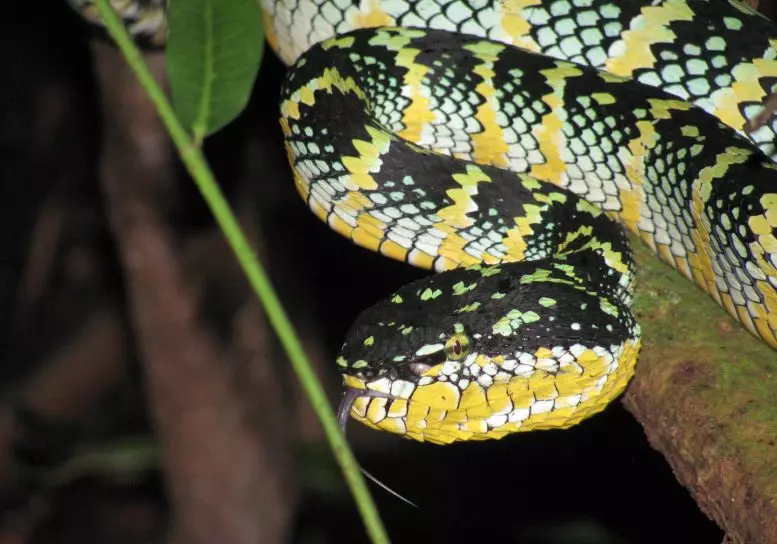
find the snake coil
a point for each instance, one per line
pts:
(513, 172)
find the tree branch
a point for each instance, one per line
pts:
(704, 393)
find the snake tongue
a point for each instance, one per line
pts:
(349, 398)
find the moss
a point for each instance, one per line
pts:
(709, 386)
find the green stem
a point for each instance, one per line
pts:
(198, 167)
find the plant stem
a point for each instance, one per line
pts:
(201, 173)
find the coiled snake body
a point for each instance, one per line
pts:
(479, 138)
(492, 164)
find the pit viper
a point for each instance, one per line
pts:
(509, 145)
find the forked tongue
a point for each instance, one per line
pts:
(349, 398)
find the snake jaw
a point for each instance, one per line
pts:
(411, 372)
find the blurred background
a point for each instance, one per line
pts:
(144, 398)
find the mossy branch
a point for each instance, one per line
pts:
(704, 392)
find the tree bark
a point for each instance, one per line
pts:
(704, 392)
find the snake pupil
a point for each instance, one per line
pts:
(457, 348)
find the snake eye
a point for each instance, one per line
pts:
(457, 346)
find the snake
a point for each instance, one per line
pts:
(511, 146)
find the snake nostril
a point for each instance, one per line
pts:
(419, 368)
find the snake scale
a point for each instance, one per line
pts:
(509, 145)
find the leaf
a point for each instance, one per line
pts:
(214, 49)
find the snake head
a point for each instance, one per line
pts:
(456, 355)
